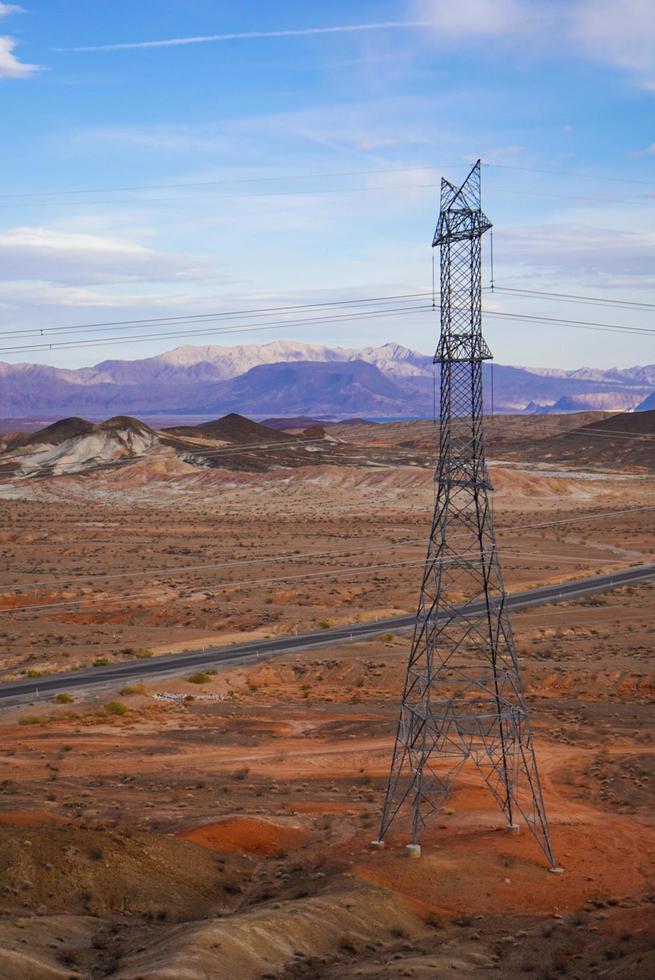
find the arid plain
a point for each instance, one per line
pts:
(217, 823)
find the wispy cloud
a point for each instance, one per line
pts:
(620, 33)
(648, 151)
(603, 256)
(75, 258)
(353, 130)
(480, 18)
(245, 35)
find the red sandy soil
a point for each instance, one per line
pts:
(30, 818)
(602, 854)
(230, 838)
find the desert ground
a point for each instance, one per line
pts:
(218, 824)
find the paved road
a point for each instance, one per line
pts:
(244, 653)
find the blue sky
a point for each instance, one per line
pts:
(283, 145)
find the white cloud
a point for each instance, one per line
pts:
(73, 258)
(34, 293)
(10, 66)
(599, 254)
(618, 32)
(479, 18)
(25, 296)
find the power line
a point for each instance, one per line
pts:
(597, 198)
(324, 175)
(234, 563)
(298, 557)
(250, 447)
(575, 520)
(248, 328)
(267, 559)
(332, 572)
(221, 585)
(285, 324)
(570, 173)
(368, 189)
(271, 178)
(199, 318)
(618, 434)
(342, 449)
(219, 314)
(574, 324)
(573, 297)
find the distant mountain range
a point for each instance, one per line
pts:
(293, 378)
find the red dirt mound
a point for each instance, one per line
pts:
(248, 835)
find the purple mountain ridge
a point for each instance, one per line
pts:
(294, 378)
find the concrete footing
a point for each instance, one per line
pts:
(556, 870)
(377, 844)
(513, 828)
(413, 850)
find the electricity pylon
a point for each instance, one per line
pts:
(463, 698)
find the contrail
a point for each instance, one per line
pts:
(206, 38)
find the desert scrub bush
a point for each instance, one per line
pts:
(347, 944)
(199, 678)
(434, 921)
(132, 689)
(138, 653)
(116, 708)
(32, 720)
(68, 957)
(325, 624)
(101, 662)
(387, 637)
(241, 773)
(64, 698)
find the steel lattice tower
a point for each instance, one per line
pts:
(463, 698)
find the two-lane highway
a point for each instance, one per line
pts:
(245, 653)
